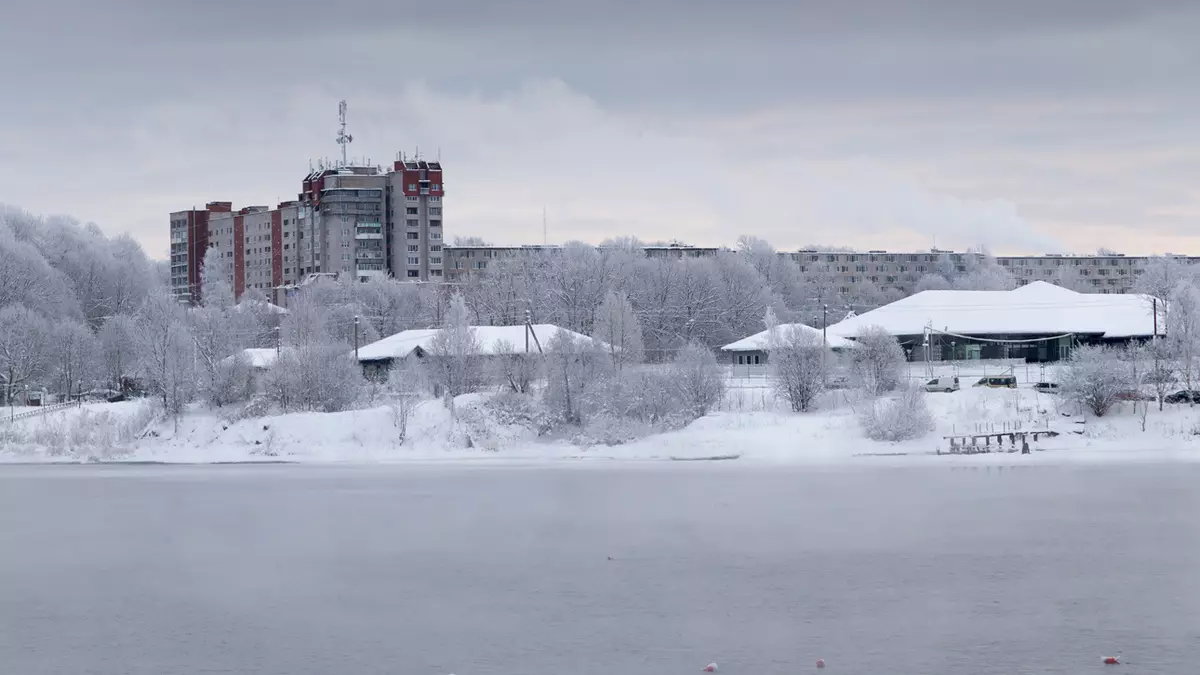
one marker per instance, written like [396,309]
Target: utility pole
[527,329]
[278,344]
[355,337]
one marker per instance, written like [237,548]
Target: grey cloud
[1023,124]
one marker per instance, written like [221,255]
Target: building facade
[358,221]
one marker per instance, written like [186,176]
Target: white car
[946,384]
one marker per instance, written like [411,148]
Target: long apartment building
[360,221]
[885,272]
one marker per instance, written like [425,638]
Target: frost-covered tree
[514,368]
[797,360]
[314,371]
[876,361]
[119,349]
[454,353]
[75,355]
[698,379]
[24,353]
[1095,378]
[618,327]
[167,352]
[215,289]
[1162,373]
[1183,327]
[571,363]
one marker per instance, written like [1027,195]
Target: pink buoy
[820,663]
[710,668]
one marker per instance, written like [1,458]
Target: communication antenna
[343,138]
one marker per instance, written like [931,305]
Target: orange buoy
[1112,660]
[820,663]
[710,668]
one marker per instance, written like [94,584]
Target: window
[435,223]
[435,273]
[413,248]
[412,222]
[412,187]
[345,233]
[412,199]
[435,210]
[412,210]
[435,236]
[412,274]
[345,244]
[413,235]
[414,261]
[436,187]
[435,260]
[435,248]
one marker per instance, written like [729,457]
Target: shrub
[902,418]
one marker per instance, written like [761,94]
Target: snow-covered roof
[257,358]
[1038,308]
[490,338]
[758,341]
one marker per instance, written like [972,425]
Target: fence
[42,410]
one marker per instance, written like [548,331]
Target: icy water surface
[614,570]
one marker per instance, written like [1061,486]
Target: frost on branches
[1095,378]
[903,417]
[454,354]
[876,361]
[798,362]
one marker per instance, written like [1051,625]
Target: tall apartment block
[357,221]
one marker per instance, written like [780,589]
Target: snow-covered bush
[513,369]
[323,378]
[606,429]
[232,381]
[904,417]
[509,407]
[698,378]
[876,361]
[1095,378]
[798,362]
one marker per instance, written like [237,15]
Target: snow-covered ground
[750,426]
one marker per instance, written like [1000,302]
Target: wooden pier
[975,444]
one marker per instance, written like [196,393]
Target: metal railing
[41,410]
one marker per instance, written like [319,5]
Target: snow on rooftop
[758,341]
[257,358]
[490,339]
[1038,308]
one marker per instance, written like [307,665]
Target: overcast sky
[1023,125]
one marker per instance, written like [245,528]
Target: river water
[615,569]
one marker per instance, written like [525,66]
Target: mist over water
[584,569]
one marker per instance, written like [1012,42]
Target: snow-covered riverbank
[832,435]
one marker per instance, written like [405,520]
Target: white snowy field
[750,426]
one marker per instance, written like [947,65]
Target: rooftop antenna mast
[343,138]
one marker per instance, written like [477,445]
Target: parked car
[1183,396]
[998,381]
[946,384]
[1046,387]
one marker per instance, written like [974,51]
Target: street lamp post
[355,337]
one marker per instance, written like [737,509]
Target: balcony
[367,236]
